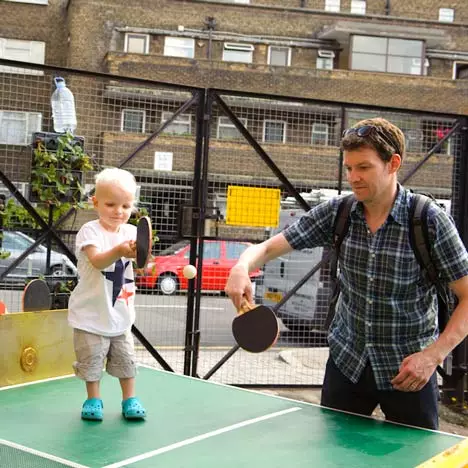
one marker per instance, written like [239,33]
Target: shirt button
[371,279]
[368,324]
[369,301]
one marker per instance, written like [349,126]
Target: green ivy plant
[56,176]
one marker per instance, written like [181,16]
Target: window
[136,43]
[280,56]
[227,130]
[234,250]
[182,125]
[325,59]
[211,250]
[179,47]
[233,52]
[460,71]
[383,54]
[244,2]
[37,2]
[446,15]
[274,131]
[319,134]
[358,7]
[332,5]
[133,120]
[16,128]
[24,51]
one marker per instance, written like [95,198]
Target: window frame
[122,120]
[231,125]
[34,2]
[175,38]
[265,122]
[332,6]
[238,47]
[146,37]
[27,131]
[177,122]
[446,15]
[326,133]
[288,57]
[35,56]
[323,57]
[386,55]
[357,5]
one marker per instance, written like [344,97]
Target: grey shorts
[92,351]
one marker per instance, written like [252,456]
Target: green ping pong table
[196,423]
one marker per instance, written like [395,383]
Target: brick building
[385,53]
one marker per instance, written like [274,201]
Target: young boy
[101,307]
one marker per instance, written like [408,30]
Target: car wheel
[168,284]
[58,270]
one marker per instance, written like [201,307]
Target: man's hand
[238,286]
[415,372]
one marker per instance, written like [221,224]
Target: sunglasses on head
[367,130]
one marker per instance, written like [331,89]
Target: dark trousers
[412,408]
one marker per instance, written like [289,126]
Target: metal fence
[196,153]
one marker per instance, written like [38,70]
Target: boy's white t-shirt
[103,301]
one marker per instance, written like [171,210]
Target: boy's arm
[102,260]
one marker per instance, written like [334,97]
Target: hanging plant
[57,176]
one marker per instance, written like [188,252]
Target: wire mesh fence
[214,176]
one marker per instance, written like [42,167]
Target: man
[383,341]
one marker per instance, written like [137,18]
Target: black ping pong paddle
[255,328]
[36,296]
[143,241]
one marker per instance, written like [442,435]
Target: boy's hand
[128,249]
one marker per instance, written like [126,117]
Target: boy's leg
[339,392]
[93,389]
[413,408]
[121,364]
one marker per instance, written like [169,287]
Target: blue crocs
[92,409]
[133,409]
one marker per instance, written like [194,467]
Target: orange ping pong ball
[189,271]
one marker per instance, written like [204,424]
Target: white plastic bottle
[63,107]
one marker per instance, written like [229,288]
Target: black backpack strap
[340,229]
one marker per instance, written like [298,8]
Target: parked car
[164,272]
[34,265]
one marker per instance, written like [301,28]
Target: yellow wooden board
[454,457]
[35,346]
[253,206]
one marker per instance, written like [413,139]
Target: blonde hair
[121,177]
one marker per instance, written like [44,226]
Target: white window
[37,2]
[179,47]
[319,134]
[446,15]
[233,52]
[182,125]
[244,2]
[387,54]
[227,130]
[325,59]
[460,71]
[280,56]
[137,43]
[133,120]
[16,128]
[24,51]
[358,7]
[332,5]
[274,131]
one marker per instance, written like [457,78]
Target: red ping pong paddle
[143,241]
[36,296]
[256,328]
[3,308]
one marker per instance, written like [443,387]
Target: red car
[164,272]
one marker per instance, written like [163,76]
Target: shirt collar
[399,211]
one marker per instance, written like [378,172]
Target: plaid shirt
[387,308]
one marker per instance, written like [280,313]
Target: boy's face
[113,204]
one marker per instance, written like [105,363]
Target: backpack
[419,241]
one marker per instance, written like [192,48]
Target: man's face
[368,175]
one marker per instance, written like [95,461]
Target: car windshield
[173,249]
